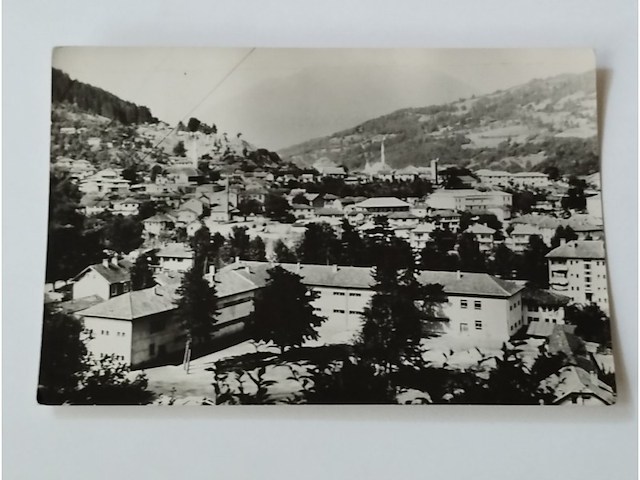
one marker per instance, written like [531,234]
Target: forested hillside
[95,100]
[529,127]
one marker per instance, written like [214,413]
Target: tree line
[95,100]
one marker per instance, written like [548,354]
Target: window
[463,304]
[464,327]
[477,305]
[478,325]
[152,349]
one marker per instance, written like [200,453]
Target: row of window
[546,320]
[464,327]
[339,310]
[477,304]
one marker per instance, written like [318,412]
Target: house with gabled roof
[482,234]
[573,385]
[175,256]
[107,279]
[158,224]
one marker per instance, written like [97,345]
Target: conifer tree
[393,320]
[197,305]
[282,253]
[141,273]
[283,312]
[257,251]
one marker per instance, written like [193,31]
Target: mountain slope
[531,126]
[95,100]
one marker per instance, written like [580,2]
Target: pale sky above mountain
[280,97]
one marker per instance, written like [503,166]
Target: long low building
[138,327]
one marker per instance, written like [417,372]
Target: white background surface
[308,442]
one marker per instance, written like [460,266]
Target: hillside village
[517,252]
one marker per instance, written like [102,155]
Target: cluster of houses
[140,327]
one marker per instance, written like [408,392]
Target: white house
[544,306]
[107,279]
[519,237]
[403,219]
[158,224]
[175,256]
[483,235]
[419,236]
[127,206]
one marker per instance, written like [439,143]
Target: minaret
[383,162]
[367,165]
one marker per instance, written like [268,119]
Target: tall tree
[283,313]
[282,253]
[63,358]
[319,245]
[352,246]
[122,234]
[239,243]
[471,258]
[575,198]
[592,324]
[193,124]
[142,273]
[257,251]
[393,319]
[534,265]
[249,206]
[503,262]
[276,206]
[202,248]
[179,150]
[566,234]
[196,306]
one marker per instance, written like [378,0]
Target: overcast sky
[279,97]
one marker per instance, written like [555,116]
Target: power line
[208,94]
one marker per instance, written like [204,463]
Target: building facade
[578,270]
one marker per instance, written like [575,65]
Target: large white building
[494,201]
[578,270]
[140,326]
[530,180]
[501,178]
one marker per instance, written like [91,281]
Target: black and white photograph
[256,226]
